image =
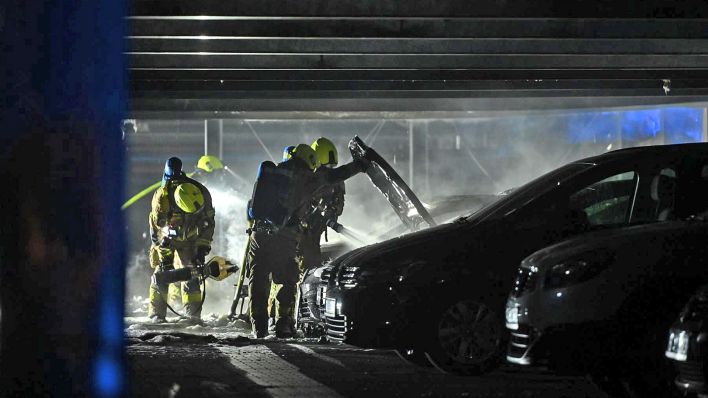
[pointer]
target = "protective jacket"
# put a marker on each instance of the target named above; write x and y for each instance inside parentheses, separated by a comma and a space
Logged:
(171, 228)
(271, 250)
(189, 229)
(176, 238)
(298, 187)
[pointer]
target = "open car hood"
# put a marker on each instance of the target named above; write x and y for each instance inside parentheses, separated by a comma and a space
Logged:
(404, 202)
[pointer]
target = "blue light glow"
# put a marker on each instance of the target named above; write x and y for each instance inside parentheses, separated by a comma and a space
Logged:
(111, 325)
(683, 125)
(655, 126)
(640, 125)
(594, 127)
(108, 377)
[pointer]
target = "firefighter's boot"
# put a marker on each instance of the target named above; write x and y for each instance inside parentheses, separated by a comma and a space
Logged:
(259, 327)
(192, 299)
(284, 328)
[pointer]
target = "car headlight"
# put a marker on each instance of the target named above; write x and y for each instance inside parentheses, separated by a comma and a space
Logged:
(351, 276)
(348, 277)
(512, 316)
(577, 270)
(677, 348)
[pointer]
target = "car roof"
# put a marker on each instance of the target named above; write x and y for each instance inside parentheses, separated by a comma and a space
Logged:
(684, 149)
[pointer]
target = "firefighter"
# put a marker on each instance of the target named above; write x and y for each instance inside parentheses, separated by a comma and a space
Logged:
(325, 209)
(288, 152)
(181, 230)
(279, 206)
(208, 168)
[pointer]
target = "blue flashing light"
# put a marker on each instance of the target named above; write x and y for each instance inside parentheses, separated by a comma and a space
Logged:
(683, 125)
(111, 326)
(108, 379)
(641, 125)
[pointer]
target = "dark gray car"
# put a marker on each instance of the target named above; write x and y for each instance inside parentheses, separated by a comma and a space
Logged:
(601, 303)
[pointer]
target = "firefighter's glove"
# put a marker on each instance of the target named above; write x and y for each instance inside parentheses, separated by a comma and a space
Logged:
(166, 243)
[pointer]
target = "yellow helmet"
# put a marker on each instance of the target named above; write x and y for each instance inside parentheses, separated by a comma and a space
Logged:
(326, 152)
(209, 163)
(307, 154)
(188, 197)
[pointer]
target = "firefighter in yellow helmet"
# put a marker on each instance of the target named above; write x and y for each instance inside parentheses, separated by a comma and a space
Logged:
(210, 171)
(325, 208)
(181, 229)
(279, 207)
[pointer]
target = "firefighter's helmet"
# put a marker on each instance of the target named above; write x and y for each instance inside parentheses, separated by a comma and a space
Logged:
(326, 152)
(188, 197)
(307, 154)
(209, 163)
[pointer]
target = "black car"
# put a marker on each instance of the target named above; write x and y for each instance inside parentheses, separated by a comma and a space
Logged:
(600, 303)
(440, 293)
(687, 345)
(311, 301)
(442, 209)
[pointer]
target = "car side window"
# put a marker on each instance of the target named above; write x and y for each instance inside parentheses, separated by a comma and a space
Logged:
(605, 202)
(663, 194)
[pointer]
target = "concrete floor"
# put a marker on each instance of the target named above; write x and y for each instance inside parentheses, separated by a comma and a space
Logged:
(220, 361)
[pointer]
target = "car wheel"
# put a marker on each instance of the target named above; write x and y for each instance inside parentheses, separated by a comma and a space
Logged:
(468, 338)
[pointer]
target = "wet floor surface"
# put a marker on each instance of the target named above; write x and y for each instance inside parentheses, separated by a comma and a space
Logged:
(222, 362)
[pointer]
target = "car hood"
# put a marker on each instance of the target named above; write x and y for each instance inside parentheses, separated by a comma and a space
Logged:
(646, 237)
(404, 202)
(404, 249)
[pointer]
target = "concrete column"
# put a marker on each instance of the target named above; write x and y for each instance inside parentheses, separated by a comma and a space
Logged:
(411, 155)
(705, 124)
(213, 129)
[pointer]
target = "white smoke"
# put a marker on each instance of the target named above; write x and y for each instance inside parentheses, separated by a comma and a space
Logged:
(229, 241)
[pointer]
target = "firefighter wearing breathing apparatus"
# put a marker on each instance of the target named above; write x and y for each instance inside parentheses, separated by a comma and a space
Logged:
(181, 230)
(325, 209)
(279, 207)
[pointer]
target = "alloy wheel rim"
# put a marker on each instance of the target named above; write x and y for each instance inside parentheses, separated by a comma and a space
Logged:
(468, 332)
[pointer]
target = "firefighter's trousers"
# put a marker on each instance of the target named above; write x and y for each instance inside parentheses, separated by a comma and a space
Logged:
(309, 251)
(191, 290)
(272, 255)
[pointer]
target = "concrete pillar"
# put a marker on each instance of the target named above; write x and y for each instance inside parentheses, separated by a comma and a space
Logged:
(411, 155)
(705, 124)
(213, 130)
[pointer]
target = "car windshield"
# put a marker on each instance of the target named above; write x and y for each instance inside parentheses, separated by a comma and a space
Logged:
(525, 193)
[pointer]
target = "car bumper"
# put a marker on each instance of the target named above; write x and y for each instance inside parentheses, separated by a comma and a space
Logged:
(367, 317)
(544, 331)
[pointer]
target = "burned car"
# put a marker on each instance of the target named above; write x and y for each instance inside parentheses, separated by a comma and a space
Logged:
(687, 345)
(439, 294)
(601, 303)
(441, 209)
(445, 209)
(413, 214)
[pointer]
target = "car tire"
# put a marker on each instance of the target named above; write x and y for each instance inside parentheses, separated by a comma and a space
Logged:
(466, 337)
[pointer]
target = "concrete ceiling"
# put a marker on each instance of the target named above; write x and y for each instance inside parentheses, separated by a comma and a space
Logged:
(246, 58)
